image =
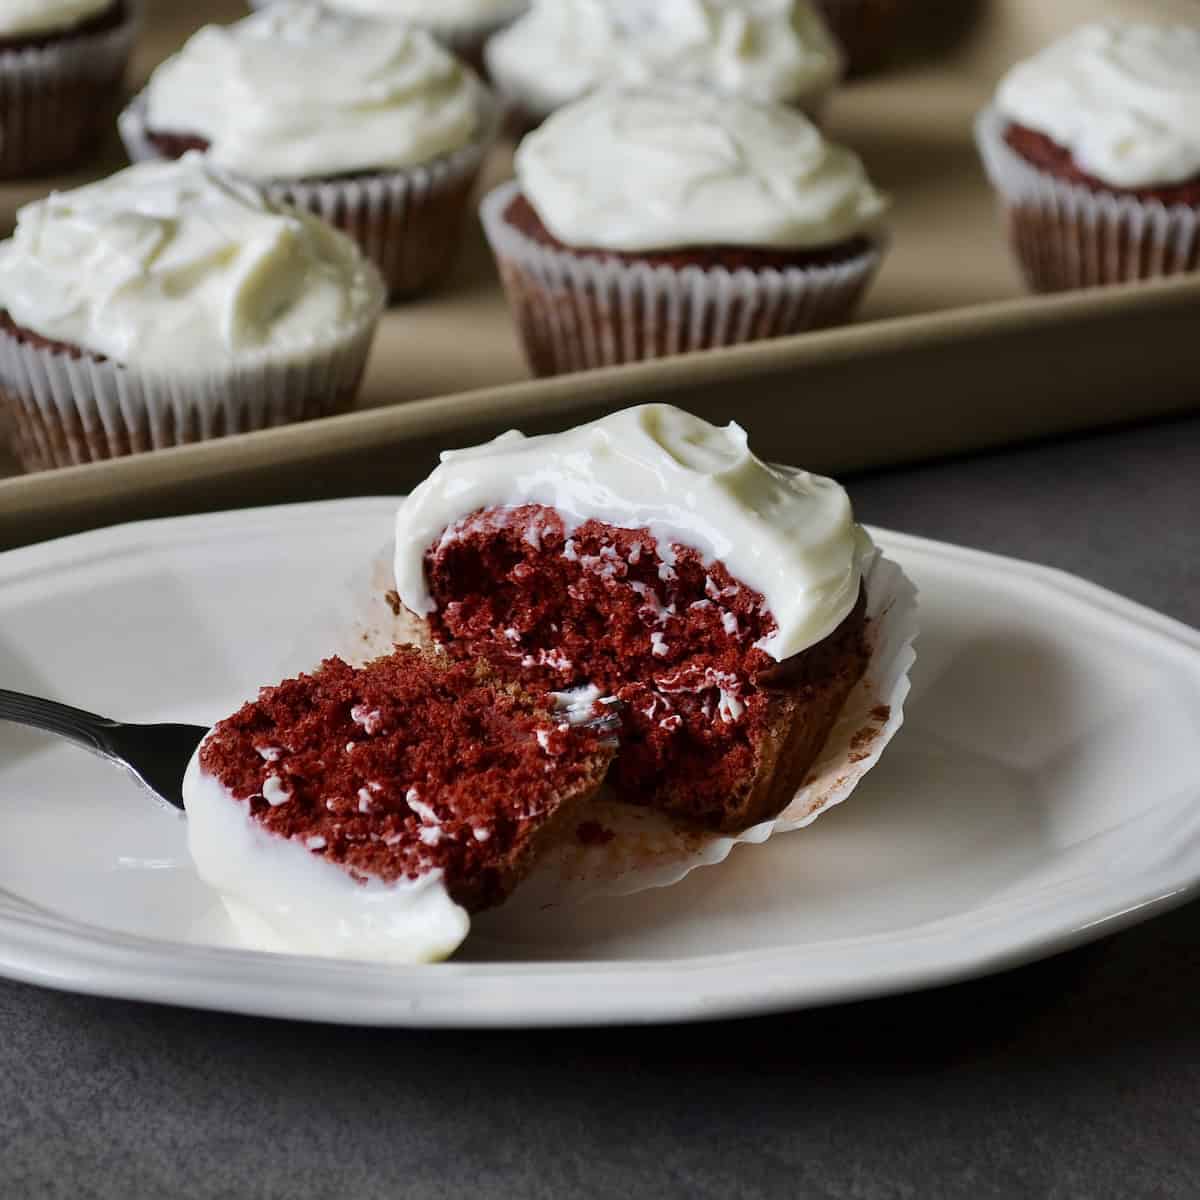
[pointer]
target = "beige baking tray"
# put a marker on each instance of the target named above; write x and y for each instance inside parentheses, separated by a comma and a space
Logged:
(949, 354)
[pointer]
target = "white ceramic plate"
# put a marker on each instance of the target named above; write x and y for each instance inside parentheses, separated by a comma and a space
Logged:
(1045, 790)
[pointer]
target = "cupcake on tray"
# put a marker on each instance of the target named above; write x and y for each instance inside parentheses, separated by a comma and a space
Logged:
(372, 125)
(463, 26)
(656, 221)
(168, 304)
(768, 50)
(1094, 148)
(61, 67)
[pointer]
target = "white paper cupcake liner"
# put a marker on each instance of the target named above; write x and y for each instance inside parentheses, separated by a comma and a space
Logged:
(65, 409)
(56, 99)
(650, 849)
(574, 312)
(1065, 235)
(407, 221)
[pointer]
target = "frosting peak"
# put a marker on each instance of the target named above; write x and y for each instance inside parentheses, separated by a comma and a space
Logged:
(171, 265)
(675, 166)
(296, 91)
(435, 13)
(787, 534)
(774, 50)
(1123, 98)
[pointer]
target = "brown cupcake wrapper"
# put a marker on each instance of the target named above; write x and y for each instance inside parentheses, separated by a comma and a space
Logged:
(1067, 236)
(407, 221)
(64, 409)
(56, 99)
(574, 312)
(866, 30)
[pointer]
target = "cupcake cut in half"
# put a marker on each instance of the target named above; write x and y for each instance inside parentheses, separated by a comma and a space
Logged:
(366, 813)
(777, 51)
(656, 221)
(386, 148)
(61, 67)
(1093, 147)
(651, 557)
(168, 304)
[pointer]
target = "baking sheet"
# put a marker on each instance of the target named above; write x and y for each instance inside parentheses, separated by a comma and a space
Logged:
(948, 354)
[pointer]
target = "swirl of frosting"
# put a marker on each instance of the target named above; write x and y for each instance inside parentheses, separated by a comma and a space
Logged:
(169, 265)
(674, 167)
(778, 50)
(1123, 98)
(295, 91)
(788, 534)
(21, 17)
(436, 13)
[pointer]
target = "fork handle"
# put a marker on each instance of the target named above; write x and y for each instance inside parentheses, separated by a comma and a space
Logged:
(87, 729)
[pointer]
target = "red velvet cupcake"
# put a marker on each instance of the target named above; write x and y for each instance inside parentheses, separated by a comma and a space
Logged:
(1093, 149)
(659, 221)
(61, 68)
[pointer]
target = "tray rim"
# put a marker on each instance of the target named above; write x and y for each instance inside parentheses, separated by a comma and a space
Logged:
(448, 412)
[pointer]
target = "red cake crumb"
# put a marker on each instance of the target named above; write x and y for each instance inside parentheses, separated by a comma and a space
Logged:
(592, 833)
(676, 639)
(406, 766)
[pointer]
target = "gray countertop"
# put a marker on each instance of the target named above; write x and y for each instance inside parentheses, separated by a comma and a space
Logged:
(1077, 1077)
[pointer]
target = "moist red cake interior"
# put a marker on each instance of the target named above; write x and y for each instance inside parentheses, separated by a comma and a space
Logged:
(675, 638)
(521, 215)
(402, 767)
(1049, 156)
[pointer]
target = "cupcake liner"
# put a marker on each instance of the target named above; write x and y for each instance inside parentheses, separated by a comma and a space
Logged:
(575, 312)
(70, 408)
(649, 849)
(56, 99)
(407, 221)
(1066, 236)
(866, 30)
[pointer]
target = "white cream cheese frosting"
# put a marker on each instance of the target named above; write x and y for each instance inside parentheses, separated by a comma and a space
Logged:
(1123, 98)
(294, 91)
(21, 17)
(786, 533)
(283, 897)
(437, 13)
(171, 266)
(771, 50)
(648, 169)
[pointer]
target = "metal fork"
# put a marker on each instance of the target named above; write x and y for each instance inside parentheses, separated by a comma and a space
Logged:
(155, 755)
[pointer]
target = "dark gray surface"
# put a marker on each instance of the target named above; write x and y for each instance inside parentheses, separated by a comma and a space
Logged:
(1078, 1077)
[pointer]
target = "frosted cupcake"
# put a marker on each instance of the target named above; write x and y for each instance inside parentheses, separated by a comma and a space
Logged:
(61, 66)
(167, 304)
(372, 125)
(657, 221)
(462, 25)
(768, 50)
(1094, 147)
